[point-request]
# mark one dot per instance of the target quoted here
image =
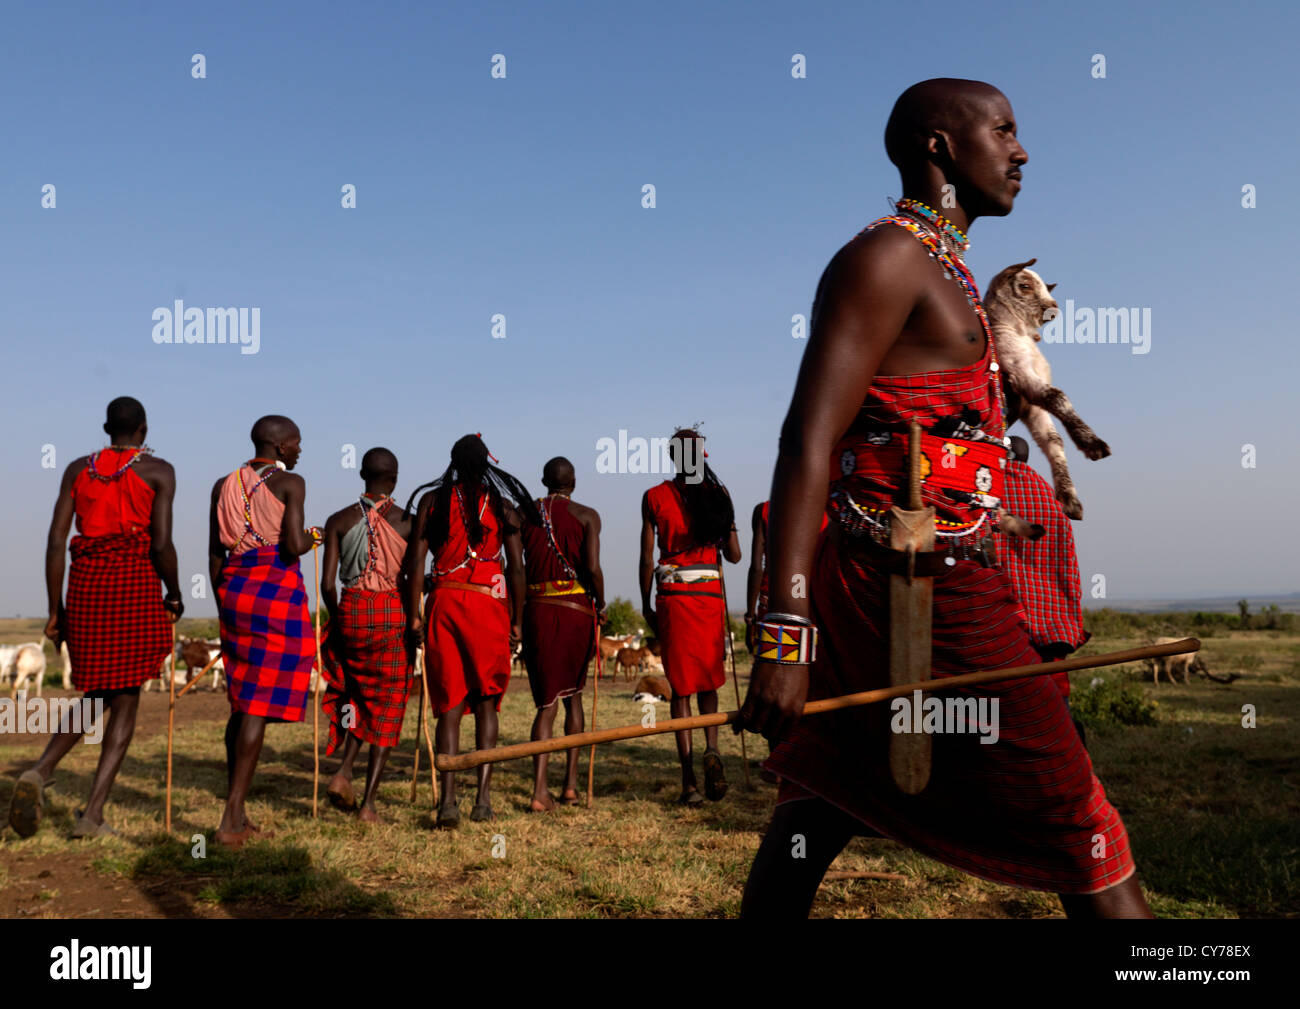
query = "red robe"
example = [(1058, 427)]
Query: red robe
[(690, 614), (1026, 809), (117, 630), (467, 654), (559, 640)]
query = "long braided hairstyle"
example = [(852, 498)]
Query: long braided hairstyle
[(708, 505), (471, 471)]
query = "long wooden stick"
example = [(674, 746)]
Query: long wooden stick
[(320, 675), (516, 750), (171, 723), (202, 673), (730, 646), (595, 700), (419, 727), (425, 698)]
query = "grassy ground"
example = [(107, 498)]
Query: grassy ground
[(1213, 809)]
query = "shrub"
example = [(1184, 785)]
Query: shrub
[(1112, 702)]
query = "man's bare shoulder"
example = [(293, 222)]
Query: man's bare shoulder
[(344, 518), (888, 248), (584, 514)]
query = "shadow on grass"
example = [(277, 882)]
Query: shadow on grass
[(261, 880)]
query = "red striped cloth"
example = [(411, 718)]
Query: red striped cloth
[(117, 629), (268, 643), (1026, 810), (1045, 572), (367, 667)]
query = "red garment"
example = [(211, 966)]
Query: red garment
[(268, 642), (368, 668), (559, 641), (117, 630), (690, 614), (108, 506), (1045, 572), (468, 632), (1023, 810)]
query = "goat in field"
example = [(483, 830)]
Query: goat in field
[(1018, 303), (23, 664)]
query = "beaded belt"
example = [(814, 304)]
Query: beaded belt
[(686, 573), (559, 587)]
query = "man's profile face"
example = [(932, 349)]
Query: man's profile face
[(988, 156), (290, 449)]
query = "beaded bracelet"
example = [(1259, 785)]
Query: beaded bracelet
[(785, 644)]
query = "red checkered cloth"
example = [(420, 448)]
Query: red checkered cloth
[(268, 643), (117, 629), (1025, 810), (367, 667), (1045, 572)]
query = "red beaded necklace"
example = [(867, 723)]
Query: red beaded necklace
[(138, 450)]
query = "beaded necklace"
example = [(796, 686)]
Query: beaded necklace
[(953, 234), (470, 554), (384, 502), (269, 471), (138, 450), (569, 572), (955, 269)]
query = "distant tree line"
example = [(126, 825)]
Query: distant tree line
[(1108, 623)]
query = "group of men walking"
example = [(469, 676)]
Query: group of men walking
[(899, 338)]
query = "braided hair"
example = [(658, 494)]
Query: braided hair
[(474, 475), (708, 505)]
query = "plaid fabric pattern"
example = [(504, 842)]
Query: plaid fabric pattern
[(118, 632), (1023, 810), (1045, 572), (267, 640), (367, 667)]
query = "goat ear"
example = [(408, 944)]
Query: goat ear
[(1050, 286), (1017, 267)]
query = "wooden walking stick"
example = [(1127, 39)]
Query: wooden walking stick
[(730, 646), (171, 722), (595, 700), (911, 608), (419, 726), (320, 675), (424, 697), (464, 761)]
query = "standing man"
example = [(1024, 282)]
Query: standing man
[(695, 522), (117, 626), (899, 335), (366, 654), (566, 591), (469, 522), (255, 537)]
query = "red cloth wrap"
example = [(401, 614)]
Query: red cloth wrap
[(367, 666), (117, 630), (268, 643), (690, 614), (1045, 572), (467, 651), (559, 641)]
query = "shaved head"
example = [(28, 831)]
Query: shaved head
[(379, 464), (125, 415), (272, 429), (946, 104), (557, 474)]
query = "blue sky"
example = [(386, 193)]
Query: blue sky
[(522, 196)]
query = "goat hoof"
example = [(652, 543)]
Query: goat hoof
[(1097, 450), (1072, 506)]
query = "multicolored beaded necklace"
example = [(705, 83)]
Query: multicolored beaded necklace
[(569, 572), (380, 507), (955, 269), (271, 469), (138, 450), (953, 234)]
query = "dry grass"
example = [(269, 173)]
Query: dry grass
[(1212, 808)]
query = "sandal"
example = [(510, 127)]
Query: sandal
[(691, 798), (344, 802), (448, 818), (84, 828), (481, 813), (27, 803), (715, 778), (569, 800)]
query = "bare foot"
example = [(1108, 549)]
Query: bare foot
[(569, 797), (543, 805), (368, 815)]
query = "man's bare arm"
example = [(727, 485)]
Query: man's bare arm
[(216, 549), (866, 296), (591, 556), (417, 548), (294, 538), (162, 551), (56, 545), (646, 568)]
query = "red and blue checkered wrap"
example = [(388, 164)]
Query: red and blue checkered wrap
[(117, 630), (367, 666), (267, 640)]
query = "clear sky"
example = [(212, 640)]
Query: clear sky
[(522, 196)]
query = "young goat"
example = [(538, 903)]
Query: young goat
[(1018, 303)]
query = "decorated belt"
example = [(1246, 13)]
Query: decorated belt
[(667, 574), (570, 601), (963, 479), (442, 583), (559, 587)]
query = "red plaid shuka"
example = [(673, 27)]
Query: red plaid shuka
[(118, 632), (367, 667), (268, 643), (1025, 810), (1044, 572)]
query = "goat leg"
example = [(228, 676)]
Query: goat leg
[(1049, 442)]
